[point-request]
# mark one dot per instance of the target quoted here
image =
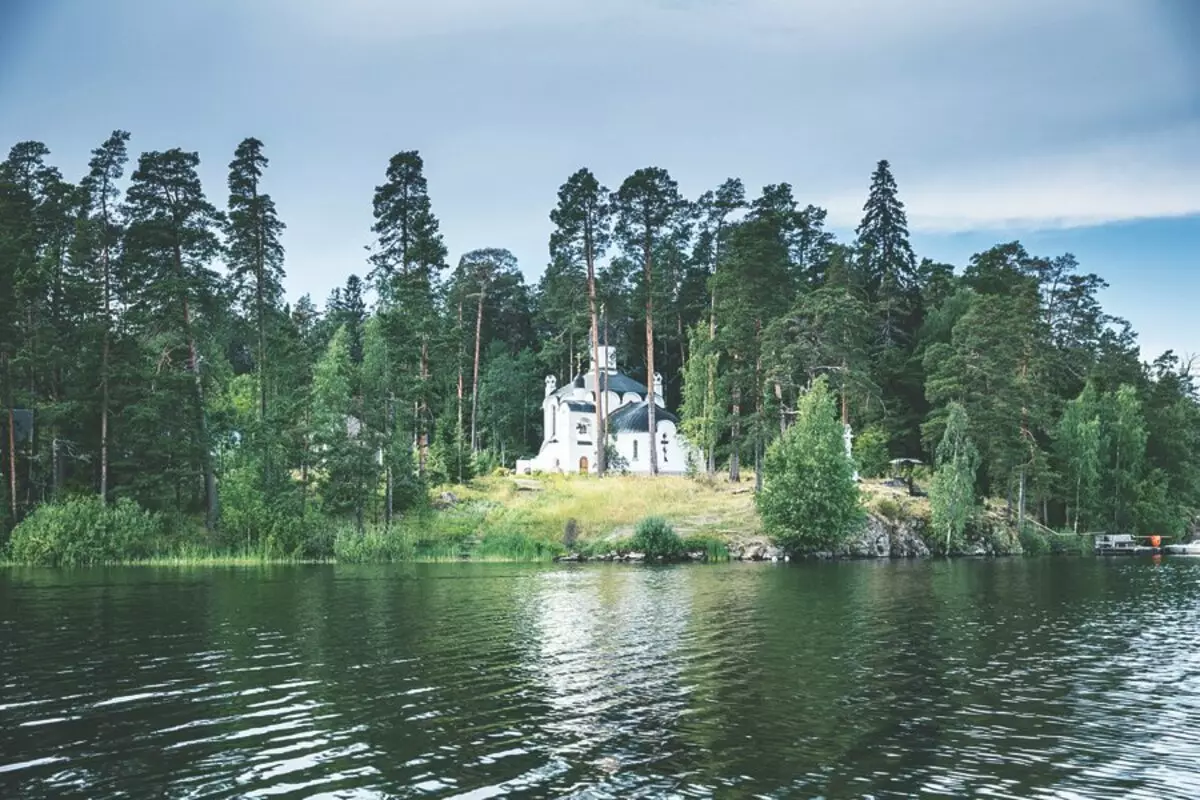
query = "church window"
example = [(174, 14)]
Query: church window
[(635, 449)]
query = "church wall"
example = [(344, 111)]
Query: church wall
[(676, 450)]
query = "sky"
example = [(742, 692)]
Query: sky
[(1073, 126)]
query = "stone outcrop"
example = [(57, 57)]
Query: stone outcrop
[(884, 538)]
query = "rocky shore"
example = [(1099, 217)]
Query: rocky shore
[(881, 537)]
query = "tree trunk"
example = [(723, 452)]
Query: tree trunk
[(387, 461), (1021, 504), (12, 442), (650, 407), (260, 267), (475, 371), (1078, 491), (601, 422), (304, 464), (759, 405), (422, 407), (458, 430), (212, 502), (735, 430), (104, 355)]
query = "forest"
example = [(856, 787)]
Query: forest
[(149, 359)]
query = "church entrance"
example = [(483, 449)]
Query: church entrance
[(583, 465)]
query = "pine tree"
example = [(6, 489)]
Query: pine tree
[(582, 220), (407, 259), (646, 206), (171, 239), (255, 253), (106, 168)]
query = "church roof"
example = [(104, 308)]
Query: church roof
[(579, 405), (635, 418), (617, 382)]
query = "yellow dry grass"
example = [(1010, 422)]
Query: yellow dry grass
[(615, 504)]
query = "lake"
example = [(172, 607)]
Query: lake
[(1021, 678)]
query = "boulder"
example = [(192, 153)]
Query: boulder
[(446, 500)]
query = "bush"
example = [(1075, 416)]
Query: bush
[(1033, 543), (658, 540), (712, 547), (373, 545), (83, 530), (253, 525), (570, 534), (809, 500), (508, 541), (889, 508), (870, 450)]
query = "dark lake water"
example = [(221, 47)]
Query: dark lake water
[(1071, 678)]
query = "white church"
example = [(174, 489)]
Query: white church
[(569, 423)]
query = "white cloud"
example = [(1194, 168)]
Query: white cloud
[(1140, 178), (1014, 114)]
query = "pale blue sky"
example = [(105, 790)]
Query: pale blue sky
[(1071, 125)]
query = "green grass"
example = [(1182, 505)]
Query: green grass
[(492, 521)]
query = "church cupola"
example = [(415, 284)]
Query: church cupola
[(551, 385), (658, 384), (607, 359)]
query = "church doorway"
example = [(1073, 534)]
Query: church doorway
[(583, 465)]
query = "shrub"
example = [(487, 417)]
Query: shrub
[(871, 452), (658, 540), (508, 541), (375, 544), (712, 547), (809, 500), (1033, 543), (570, 534), (83, 530), (889, 508)]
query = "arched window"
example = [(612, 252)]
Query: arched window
[(635, 449)]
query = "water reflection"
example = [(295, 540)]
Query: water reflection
[(1050, 678)]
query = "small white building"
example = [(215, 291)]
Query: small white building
[(569, 424)]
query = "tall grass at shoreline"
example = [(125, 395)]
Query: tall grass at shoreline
[(491, 519)]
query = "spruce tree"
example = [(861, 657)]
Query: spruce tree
[(887, 261)]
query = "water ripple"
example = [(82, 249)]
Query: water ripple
[(1008, 679)]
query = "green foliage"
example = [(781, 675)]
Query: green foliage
[(952, 495), (809, 500), (1033, 542), (159, 378), (83, 530), (888, 508), (713, 548), (1079, 443), (871, 456), (450, 457), (658, 540)]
